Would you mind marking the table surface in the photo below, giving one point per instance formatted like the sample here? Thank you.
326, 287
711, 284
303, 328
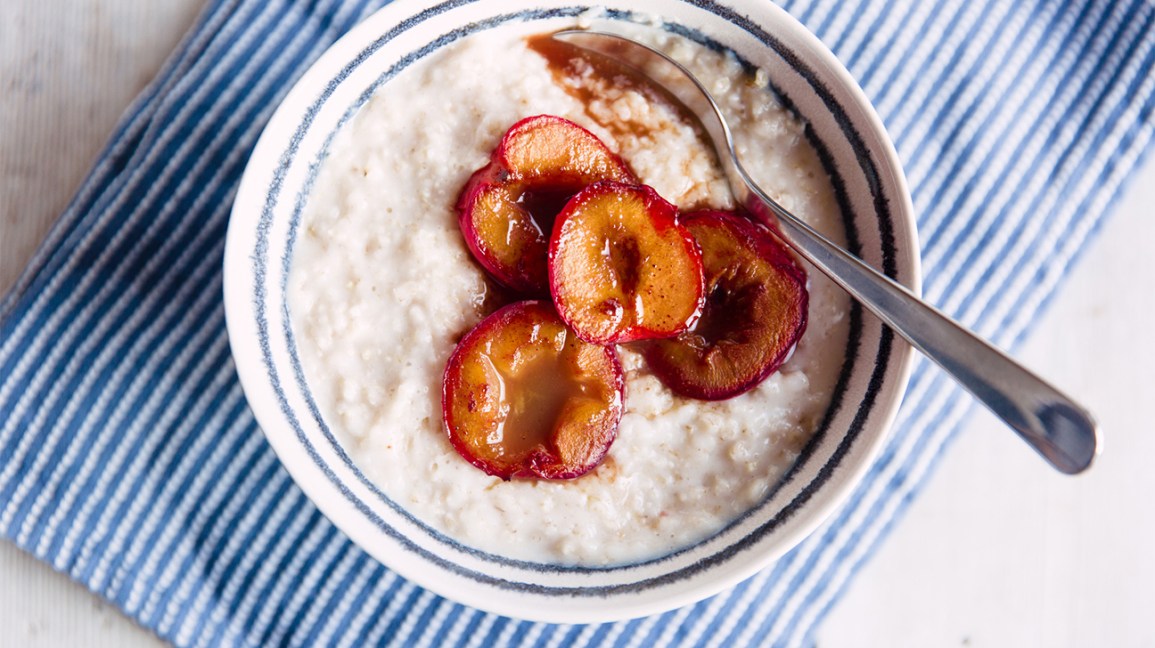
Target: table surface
997, 551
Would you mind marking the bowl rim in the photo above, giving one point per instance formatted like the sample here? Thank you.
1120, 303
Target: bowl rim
238, 310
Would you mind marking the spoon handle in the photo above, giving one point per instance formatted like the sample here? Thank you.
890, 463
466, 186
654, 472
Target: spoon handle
1054, 425
1051, 423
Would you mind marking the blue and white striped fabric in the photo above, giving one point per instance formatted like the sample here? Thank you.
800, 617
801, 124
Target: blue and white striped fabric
129, 460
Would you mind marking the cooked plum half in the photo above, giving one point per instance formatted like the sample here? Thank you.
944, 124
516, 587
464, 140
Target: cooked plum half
622, 267
525, 397
755, 311
507, 208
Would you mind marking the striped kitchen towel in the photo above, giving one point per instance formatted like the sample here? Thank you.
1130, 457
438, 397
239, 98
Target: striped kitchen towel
129, 460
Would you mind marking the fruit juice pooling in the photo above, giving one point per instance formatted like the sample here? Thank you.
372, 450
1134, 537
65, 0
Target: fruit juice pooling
535, 394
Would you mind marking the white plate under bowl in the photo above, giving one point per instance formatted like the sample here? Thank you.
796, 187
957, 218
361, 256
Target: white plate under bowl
878, 217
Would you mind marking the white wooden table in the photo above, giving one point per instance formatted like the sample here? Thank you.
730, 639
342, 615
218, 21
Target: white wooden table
998, 551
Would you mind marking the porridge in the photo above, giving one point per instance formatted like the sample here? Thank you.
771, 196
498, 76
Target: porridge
383, 286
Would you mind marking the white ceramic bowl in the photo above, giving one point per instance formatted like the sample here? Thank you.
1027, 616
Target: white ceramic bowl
880, 227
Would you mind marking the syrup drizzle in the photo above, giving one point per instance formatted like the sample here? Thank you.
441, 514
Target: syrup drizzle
584, 75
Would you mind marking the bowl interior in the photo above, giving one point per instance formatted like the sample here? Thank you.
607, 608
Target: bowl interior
266, 219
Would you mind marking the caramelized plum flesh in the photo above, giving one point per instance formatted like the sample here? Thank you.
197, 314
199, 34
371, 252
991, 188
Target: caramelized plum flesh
506, 210
523, 396
755, 312
622, 267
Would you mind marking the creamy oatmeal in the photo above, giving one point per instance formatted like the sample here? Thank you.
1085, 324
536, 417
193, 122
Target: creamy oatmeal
383, 286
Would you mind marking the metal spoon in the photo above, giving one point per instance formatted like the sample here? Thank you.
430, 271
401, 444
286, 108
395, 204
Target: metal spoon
1059, 429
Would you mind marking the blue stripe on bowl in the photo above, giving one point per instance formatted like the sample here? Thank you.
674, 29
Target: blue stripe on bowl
260, 298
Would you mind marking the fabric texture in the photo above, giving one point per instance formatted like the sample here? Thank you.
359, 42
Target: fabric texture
129, 460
